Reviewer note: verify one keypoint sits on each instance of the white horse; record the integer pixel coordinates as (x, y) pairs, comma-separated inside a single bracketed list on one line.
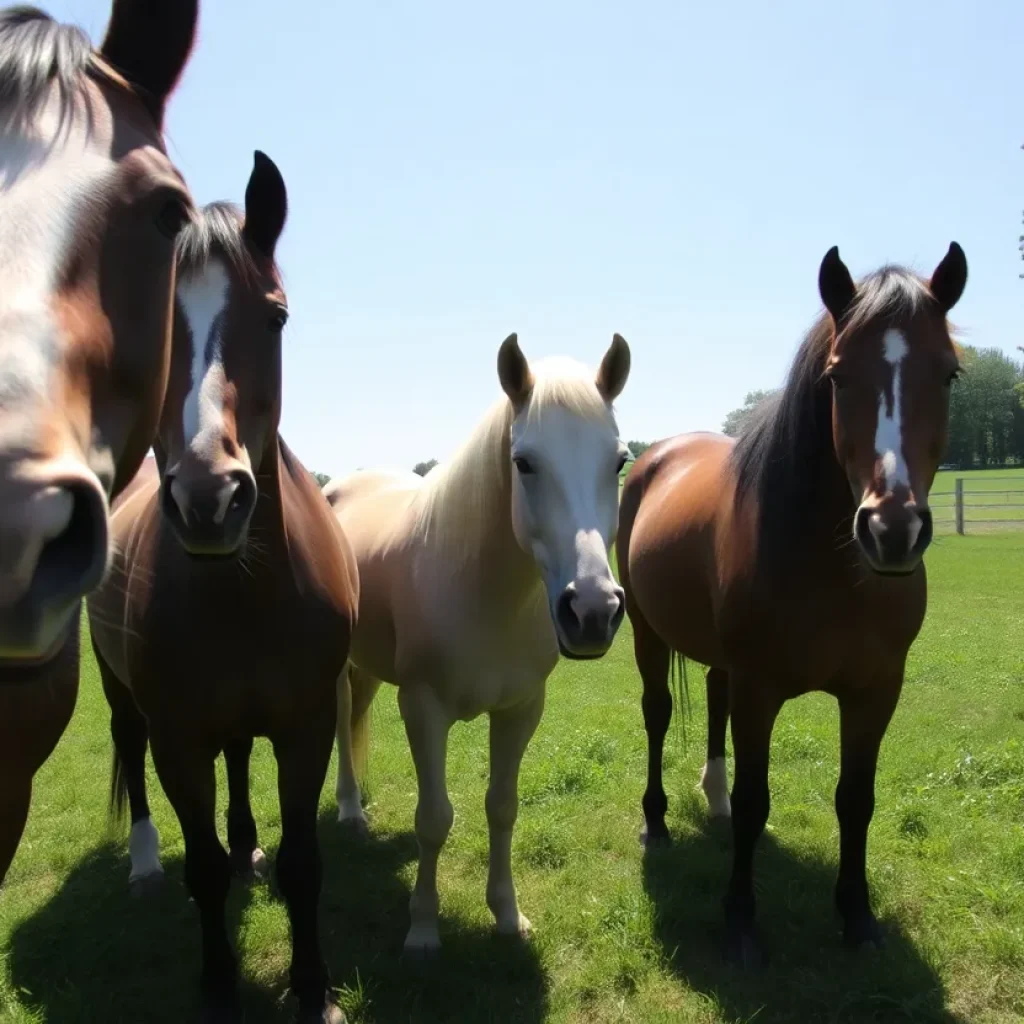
[(471, 582)]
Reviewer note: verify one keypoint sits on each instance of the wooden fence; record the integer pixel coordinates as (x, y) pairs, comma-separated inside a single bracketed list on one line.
[(979, 504)]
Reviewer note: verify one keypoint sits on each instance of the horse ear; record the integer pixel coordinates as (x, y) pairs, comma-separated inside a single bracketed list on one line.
[(950, 277), (514, 371), (614, 369), (266, 205), (835, 285), (149, 42)]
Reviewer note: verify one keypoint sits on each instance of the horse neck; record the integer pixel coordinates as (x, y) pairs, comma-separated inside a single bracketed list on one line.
[(268, 519)]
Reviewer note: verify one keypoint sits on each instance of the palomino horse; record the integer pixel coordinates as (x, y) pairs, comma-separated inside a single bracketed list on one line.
[(471, 581), (230, 606), (89, 209), (791, 561)]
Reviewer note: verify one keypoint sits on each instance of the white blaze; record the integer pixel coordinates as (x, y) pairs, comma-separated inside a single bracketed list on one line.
[(203, 298), (889, 431), (48, 175)]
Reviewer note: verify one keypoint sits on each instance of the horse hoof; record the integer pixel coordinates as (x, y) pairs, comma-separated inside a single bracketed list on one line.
[(420, 956), (330, 1013), (863, 932), (260, 864), (656, 838), (358, 827), (146, 886), (743, 951), (519, 929)]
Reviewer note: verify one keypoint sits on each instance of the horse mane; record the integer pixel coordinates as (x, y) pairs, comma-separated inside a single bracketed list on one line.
[(217, 230), (777, 456), (35, 51), (460, 500)]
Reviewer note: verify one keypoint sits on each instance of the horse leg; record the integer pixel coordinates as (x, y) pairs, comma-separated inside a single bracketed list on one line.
[(130, 734), (187, 775), (511, 730), (653, 659), (714, 777), (15, 799), (427, 724), (356, 691), (754, 710), (864, 716), (302, 762), (247, 858)]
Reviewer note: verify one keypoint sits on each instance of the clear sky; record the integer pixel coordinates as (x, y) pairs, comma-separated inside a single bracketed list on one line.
[(458, 170)]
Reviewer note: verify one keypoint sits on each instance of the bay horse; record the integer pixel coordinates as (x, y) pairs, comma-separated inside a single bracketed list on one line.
[(791, 561), (228, 611), (90, 206), (472, 580)]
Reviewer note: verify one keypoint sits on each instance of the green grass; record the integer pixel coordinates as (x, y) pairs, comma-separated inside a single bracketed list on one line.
[(619, 937)]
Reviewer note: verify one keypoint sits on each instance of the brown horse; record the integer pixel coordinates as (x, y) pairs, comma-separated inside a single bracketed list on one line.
[(89, 209), (791, 561), (232, 599)]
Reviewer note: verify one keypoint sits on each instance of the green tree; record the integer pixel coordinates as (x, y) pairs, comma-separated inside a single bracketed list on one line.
[(986, 422), (322, 479), (423, 468), (638, 447), (734, 422)]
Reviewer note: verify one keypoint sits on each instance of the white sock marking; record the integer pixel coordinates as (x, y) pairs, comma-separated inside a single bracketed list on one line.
[(144, 849), (714, 780)]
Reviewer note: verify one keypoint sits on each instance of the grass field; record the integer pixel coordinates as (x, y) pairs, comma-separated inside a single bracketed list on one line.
[(619, 936)]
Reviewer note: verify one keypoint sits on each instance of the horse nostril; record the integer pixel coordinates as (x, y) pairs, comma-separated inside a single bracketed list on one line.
[(620, 608), (566, 611), (74, 560)]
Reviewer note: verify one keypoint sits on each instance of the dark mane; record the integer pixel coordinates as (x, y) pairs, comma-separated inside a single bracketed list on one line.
[(35, 51), (778, 454), (216, 230)]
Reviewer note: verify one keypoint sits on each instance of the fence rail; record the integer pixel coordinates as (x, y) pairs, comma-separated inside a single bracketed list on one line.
[(970, 508)]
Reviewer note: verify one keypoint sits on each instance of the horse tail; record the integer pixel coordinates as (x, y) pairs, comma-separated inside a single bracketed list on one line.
[(680, 684), (117, 800), (364, 688)]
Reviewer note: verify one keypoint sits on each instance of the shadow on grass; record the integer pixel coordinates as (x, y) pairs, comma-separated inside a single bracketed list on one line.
[(480, 976), (95, 954), (810, 976)]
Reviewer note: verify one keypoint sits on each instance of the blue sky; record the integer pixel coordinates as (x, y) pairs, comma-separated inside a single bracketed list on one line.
[(671, 171)]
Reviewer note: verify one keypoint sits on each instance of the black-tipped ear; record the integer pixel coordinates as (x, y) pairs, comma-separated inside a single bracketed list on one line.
[(950, 278), (266, 205), (149, 42), (514, 371), (614, 369), (835, 285)]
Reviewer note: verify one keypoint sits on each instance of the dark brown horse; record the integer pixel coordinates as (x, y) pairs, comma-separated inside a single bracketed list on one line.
[(791, 561), (231, 603), (89, 209)]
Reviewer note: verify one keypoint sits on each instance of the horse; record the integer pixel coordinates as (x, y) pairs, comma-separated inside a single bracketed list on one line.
[(791, 561), (90, 206), (472, 580), (228, 611)]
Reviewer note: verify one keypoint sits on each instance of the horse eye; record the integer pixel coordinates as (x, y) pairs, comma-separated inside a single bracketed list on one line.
[(278, 320), (623, 459), (173, 216), (955, 375), (522, 465)]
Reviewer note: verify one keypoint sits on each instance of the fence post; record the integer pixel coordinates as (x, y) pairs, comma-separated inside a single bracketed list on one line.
[(960, 505)]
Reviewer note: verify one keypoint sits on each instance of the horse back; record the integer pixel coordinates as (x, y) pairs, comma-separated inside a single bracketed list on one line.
[(679, 543)]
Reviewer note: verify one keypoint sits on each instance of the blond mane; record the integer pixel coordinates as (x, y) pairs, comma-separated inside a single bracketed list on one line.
[(462, 500)]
